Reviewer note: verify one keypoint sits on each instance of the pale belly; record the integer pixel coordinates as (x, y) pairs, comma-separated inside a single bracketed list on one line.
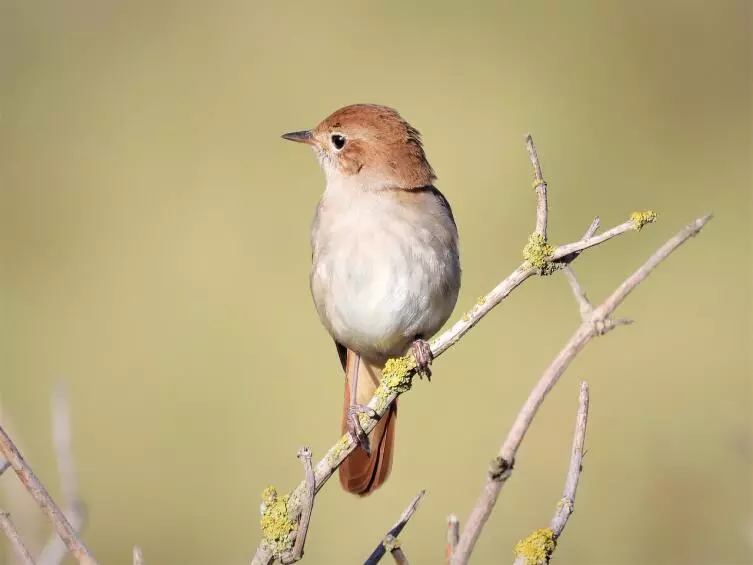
[(378, 287)]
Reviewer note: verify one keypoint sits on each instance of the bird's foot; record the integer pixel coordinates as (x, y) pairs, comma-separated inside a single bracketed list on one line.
[(356, 429), (423, 356)]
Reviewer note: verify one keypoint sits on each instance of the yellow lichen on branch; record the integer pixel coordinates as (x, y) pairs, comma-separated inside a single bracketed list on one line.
[(537, 253), (536, 548), (640, 219), (276, 525)]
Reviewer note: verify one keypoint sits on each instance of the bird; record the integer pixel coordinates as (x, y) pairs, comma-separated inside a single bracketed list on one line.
[(385, 267)]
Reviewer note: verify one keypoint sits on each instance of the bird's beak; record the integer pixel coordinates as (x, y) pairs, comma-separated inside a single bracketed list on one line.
[(300, 137)]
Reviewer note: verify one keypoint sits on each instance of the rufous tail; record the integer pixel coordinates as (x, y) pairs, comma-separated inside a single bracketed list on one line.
[(360, 473)]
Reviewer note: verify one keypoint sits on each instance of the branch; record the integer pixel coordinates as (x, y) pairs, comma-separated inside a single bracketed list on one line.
[(55, 550), (15, 540), (295, 554), (599, 323), (390, 541), (453, 533), (138, 558), (542, 211), (42, 498), (538, 547), (567, 503)]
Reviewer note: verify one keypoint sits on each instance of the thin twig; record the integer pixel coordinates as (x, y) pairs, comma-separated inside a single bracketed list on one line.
[(399, 556), (6, 525), (542, 210), (453, 533), (587, 243), (566, 505), (295, 554), (391, 536), (62, 439), (599, 324), (584, 304), (138, 557), (42, 498)]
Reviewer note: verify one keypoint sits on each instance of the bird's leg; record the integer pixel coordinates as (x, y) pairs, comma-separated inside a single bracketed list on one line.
[(354, 424), (423, 356)]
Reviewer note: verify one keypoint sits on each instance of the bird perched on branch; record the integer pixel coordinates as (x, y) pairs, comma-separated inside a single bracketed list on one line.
[(385, 270)]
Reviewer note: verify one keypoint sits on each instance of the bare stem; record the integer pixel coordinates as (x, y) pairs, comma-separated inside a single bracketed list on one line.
[(453, 533), (566, 505), (6, 525), (295, 554), (542, 208), (62, 439), (45, 502)]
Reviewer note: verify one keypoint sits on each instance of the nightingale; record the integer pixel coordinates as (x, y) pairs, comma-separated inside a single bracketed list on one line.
[(385, 270)]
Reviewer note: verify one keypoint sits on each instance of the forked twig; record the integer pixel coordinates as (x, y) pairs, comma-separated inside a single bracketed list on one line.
[(295, 554), (390, 542), (543, 258), (538, 548), (598, 323)]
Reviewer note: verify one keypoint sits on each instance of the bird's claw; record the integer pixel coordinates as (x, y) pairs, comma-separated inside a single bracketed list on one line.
[(356, 429), (422, 354)]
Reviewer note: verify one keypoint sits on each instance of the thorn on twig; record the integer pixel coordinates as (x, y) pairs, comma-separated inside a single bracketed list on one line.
[(307, 506), (394, 532), (4, 464)]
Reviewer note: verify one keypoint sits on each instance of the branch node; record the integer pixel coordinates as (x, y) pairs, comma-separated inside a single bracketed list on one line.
[(390, 542), (538, 253), (501, 469)]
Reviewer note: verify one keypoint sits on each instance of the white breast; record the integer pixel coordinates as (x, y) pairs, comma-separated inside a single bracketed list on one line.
[(383, 273)]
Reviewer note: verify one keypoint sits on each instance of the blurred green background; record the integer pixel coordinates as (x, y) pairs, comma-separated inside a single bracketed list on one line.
[(154, 245)]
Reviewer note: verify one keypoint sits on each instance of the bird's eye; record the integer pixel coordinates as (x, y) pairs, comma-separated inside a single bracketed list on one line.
[(338, 141)]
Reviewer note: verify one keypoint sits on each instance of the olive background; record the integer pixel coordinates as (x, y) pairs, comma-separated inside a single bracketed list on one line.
[(154, 256)]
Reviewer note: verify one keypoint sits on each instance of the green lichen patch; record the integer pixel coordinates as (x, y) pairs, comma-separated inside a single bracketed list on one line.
[(640, 219), (276, 525), (340, 446), (397, 373), (536, 548), (537, 253)]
